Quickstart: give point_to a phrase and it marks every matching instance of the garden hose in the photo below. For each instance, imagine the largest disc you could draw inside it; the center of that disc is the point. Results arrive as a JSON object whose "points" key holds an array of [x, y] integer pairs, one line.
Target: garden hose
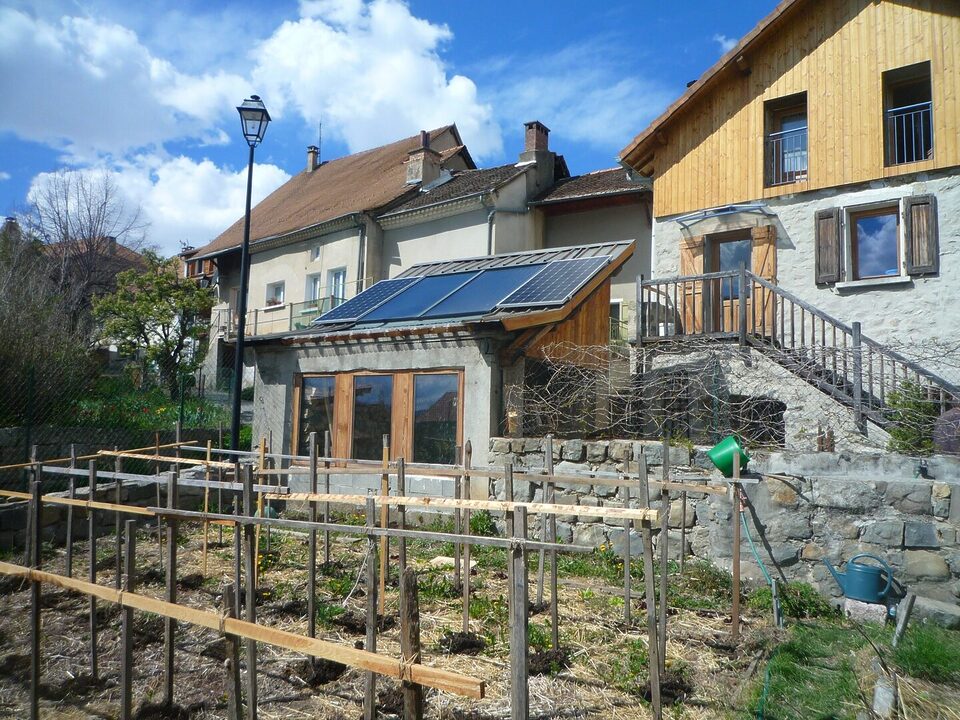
{"points": [[777, 615]]}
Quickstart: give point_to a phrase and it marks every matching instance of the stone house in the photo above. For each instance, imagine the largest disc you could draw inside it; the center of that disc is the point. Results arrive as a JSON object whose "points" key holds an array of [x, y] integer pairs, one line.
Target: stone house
{"points": [[820, 155], [340, 226]]}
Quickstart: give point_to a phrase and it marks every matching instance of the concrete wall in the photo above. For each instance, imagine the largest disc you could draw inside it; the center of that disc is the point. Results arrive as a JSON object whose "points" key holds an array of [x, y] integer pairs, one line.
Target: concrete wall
{"points": [[904, 314], [627, 222], [477, 357], [826, 505], [448, 238]]}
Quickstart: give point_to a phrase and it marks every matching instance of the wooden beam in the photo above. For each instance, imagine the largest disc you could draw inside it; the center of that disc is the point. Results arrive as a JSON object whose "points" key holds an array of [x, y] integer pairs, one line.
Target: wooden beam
{"points": [[88, 504], [165, 459], [20, 466], [432, 677]]}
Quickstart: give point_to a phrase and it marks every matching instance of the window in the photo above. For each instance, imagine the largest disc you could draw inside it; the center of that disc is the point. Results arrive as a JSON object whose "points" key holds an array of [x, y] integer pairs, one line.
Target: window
{"points": [[316, 411], [436, 397], [275, 294], [314, 253], [337, 286], [785, 147], [875, 243], [887, 240], [908, 114], [372, 413], [618, 330], [313, 287], [728, 255]]}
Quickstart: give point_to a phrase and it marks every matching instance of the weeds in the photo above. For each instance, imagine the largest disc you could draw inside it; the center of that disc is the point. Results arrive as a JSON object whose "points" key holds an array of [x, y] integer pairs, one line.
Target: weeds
{"points": [[929, 652], [797, 600]]}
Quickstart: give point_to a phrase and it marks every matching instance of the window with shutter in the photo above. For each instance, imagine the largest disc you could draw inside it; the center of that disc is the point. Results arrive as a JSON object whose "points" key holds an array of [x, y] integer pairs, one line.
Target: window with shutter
{"points": [[921, 236], [829, 248]]}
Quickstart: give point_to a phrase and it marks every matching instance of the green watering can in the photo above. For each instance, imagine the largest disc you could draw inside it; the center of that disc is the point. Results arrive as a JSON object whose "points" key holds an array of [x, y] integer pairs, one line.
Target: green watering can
{"points": [[725, 453], [864, 582]]}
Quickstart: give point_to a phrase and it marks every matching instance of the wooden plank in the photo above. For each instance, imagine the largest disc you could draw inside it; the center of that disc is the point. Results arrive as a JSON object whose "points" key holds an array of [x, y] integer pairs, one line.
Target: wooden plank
{"points": [[73, 458], [432, 677], [494, 505], [87, 504], [164, 458]]}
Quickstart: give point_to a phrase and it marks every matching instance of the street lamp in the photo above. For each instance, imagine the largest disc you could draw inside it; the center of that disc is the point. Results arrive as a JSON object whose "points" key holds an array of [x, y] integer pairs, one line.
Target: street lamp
{"points": [[254, 119]]}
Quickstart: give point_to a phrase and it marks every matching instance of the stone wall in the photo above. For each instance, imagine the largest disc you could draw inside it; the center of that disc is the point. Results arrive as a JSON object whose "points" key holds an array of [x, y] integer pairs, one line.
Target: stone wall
{"points": [[819, 506]]}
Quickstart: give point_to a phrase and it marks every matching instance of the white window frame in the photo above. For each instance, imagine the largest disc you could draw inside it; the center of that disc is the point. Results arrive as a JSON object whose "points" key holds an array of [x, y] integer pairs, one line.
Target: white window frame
{"points": [[272, 294], [314, 289], [846, 214], [332, 284], [315, 253]]}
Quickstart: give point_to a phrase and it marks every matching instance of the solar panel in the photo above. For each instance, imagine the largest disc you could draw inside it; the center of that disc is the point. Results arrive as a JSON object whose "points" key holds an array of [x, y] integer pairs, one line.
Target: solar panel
{"points": [[483, 292], [355, 307], [556, 283], [412, 301]]}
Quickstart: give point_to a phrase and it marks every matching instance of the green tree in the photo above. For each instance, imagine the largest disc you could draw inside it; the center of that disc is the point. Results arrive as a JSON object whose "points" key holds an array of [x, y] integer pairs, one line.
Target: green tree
{"points": [[160, 317]]}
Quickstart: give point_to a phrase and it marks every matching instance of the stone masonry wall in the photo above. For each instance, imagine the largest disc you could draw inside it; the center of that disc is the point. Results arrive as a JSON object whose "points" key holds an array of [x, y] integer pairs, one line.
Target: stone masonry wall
{"points": [[821, 506]]}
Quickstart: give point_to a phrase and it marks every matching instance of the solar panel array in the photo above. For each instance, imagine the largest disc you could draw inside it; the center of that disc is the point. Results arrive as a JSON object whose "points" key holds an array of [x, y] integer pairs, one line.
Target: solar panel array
{"points": [[471, 293], [556, 283], [354, 308]]}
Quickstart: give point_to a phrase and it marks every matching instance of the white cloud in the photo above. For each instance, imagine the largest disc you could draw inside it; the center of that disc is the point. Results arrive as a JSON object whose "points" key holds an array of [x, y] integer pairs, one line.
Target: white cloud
{"points": [[90, 87], [4, 176], [726, 43], [372, 73], [184, 200], [581, 93]]}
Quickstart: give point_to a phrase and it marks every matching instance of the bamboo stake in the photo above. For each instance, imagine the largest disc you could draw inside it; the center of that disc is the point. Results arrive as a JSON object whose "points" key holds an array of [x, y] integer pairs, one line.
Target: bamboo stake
{"points": [[653, 644], [410, 642], [542, 521], [384, 522], [170, 624], [33, 541], [370, 683], [126, 627], [92, 570]]}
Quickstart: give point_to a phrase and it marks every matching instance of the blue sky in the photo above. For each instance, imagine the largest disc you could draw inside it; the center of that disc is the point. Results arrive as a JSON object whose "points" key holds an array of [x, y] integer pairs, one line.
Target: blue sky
{"points": [[147, 90]]}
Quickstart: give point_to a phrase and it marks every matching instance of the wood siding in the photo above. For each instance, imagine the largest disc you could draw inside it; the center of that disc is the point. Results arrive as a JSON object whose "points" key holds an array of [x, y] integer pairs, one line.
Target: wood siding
{"points": [[588, 326], [835, 51]]}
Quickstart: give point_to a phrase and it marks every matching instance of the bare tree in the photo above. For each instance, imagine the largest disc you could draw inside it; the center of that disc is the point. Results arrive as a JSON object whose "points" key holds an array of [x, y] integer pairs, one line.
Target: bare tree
{"points": [[89, 232]]}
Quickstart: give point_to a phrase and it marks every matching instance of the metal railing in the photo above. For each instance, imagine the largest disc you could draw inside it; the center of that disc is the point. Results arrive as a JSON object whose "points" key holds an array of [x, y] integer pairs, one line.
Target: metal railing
{"points": [[830, 355], [274, 319], [786, 154], [619, 331], [909, 133]]}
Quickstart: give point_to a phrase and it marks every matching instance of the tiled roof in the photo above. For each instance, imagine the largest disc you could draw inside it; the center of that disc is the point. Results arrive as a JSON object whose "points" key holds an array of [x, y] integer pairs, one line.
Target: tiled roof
{"points": [[601, 182], [364, 181], [463, 184]]}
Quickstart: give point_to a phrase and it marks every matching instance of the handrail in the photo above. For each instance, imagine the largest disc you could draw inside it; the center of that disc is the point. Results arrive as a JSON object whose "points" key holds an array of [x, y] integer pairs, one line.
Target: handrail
{"points": [[781, 133], [690, 278], [923, 105]]}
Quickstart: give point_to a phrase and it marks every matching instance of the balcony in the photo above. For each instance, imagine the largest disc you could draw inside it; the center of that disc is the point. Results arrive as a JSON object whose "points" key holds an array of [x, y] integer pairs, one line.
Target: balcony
{"points": [[273, 319], [909, 132], [786, 157]]}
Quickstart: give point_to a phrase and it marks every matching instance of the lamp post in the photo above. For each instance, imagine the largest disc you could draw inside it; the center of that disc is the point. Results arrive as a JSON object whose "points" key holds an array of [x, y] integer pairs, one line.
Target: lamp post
{"points": [[254, 119]]}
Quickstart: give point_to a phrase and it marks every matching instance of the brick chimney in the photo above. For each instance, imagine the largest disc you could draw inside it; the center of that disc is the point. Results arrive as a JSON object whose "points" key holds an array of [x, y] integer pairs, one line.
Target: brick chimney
{"points": [[313, 152], [537, 135], [423, 163]]}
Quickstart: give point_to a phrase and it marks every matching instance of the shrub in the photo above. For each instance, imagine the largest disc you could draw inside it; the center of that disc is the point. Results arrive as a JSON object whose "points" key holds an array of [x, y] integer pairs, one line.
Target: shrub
{"points": [[913, 415], [797, 600]]}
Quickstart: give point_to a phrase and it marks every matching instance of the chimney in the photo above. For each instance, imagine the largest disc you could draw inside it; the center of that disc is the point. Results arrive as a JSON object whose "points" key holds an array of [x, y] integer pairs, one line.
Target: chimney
{"points": [[423, 163], [313, 152], [536, 136]]}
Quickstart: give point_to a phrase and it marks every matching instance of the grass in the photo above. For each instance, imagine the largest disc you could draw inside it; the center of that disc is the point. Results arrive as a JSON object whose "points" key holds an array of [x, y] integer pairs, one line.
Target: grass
{"points": [[797, 600], [930, 653], [629, 672]]}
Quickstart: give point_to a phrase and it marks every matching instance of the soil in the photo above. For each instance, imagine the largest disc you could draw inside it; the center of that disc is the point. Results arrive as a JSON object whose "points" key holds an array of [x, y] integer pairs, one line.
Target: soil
{"points": [[319, 672], [548, 662], [355, 623], [462, 643]]}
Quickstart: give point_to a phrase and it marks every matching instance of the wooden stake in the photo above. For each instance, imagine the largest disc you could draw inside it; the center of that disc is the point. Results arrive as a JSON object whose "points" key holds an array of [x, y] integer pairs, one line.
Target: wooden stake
{"points": [[664, 554], [384, 522], [542, 521], [206, 506], [170, 625], [653, 644], [92, 570], [231, 664], [220, 480], [33, 541], [683, 529], [156, 471], [735, 554], [627, 529], [251, 578], [370, 685], [256, 551], [519, 649], [467, 457], [410, 643], [326, 505], [117, 526], [237, 559], [126, 622], [312, 543], [903, 617], [402, 511], [457, 520], [72, 495]]}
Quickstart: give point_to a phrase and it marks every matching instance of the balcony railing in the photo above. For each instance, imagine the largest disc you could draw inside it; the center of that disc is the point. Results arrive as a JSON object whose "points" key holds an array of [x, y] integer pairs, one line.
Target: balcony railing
{"points": [[619, 331], [909, 133], [786, 154], [275, 318]]}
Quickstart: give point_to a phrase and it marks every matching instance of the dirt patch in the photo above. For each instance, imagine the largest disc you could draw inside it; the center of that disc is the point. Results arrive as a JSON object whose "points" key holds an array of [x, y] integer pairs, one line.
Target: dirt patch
{"points": [[147, 629], [296, 608], [549, 662], [357, 624], [159, 711], [80, 685], [537, 608], [193, 581], [390, 699], [152, 576], [674, 688], [319, 672], [461, 643], [215, 651], [15, 666]]}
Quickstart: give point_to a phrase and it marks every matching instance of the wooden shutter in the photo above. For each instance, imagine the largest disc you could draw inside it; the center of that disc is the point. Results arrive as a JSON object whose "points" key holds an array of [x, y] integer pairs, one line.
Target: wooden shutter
{"points": [[764, 251], [829, 246], [923, 243], [691, 263]]}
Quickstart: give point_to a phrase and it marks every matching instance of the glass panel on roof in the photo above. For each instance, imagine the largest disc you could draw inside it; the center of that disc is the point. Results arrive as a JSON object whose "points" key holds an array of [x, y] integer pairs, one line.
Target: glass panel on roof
{"points": [[557, 283], [417, 298], [482, 294], [365, 301]]}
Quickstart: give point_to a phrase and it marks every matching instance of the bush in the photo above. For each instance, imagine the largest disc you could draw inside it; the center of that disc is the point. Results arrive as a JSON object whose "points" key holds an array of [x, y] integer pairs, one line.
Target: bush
{"points": [[115, 404], [913, 415], [797, 600]]}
